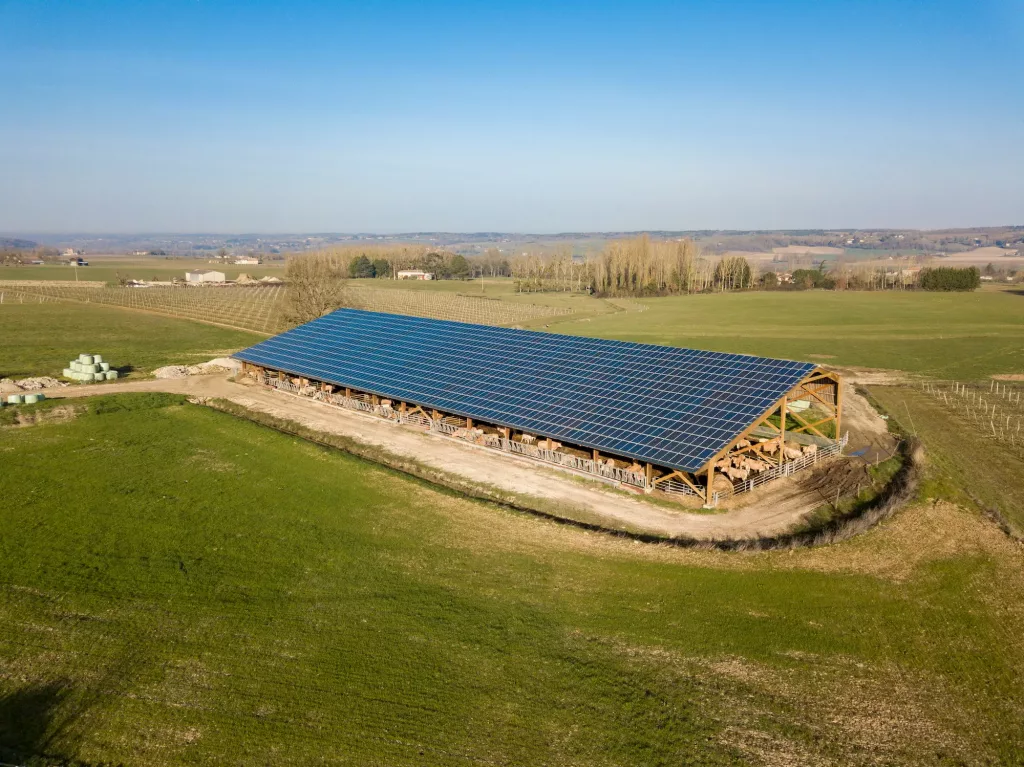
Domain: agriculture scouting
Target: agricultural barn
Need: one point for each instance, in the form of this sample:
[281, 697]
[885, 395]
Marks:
[655, 417]
[205, 275]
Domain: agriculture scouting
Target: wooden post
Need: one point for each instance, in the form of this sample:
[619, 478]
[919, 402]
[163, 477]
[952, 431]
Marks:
[437, 415]
[401, 407]
[597, 456]
[649, 474]
[348, 392]
[839, 407]
[711, 482]
[469, 422]
[782, 430]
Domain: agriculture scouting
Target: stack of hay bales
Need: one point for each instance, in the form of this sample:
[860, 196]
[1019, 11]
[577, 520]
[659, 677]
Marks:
[88, 368]
[25, 399]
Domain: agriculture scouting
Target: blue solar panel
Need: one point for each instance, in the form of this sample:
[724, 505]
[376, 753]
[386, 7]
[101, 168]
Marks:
[672, 407]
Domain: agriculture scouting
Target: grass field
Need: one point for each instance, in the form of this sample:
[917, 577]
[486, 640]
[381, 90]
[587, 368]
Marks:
[952, 335]
[40, 339]
[183, 587]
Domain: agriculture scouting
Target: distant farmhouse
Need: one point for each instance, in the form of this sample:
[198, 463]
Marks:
[414, 274]
[247, 260]
[200, 276]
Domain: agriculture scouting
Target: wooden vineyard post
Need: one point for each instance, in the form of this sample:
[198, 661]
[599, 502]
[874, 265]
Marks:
[782, 431]
[839, 408]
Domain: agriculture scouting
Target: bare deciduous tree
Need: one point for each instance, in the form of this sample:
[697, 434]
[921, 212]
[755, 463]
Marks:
[316, 284]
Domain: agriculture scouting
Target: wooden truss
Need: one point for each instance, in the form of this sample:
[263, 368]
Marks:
[820, 394]
[821, 389]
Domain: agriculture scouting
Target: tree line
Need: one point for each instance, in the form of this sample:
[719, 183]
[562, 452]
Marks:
[633, 267]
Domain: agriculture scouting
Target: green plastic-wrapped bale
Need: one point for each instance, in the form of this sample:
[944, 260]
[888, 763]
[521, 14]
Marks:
[104, 366]
[85, 359]
[14, 399]
[69, 373]
[31, 399]
[99, 376]
[97, 358]
[111, 375]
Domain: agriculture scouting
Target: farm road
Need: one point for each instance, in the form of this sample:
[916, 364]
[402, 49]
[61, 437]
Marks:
[768, 511]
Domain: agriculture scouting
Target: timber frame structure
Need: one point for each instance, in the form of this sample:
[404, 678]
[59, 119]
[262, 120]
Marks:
[805, 420]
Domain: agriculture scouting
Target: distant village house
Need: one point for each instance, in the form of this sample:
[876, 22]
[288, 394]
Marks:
[247, 260]
[414, 274]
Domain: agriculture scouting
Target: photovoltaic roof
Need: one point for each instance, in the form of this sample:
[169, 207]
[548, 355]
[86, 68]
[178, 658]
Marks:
[670, 406]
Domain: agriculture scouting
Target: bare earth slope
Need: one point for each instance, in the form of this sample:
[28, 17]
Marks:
[772, 511]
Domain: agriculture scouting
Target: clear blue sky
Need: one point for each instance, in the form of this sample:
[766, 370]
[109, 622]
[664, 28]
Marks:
[541, 116]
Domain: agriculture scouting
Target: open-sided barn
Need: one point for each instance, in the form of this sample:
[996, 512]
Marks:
[655, 416]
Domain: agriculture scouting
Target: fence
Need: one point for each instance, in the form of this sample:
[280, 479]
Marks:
[792, 467]
[455, 427]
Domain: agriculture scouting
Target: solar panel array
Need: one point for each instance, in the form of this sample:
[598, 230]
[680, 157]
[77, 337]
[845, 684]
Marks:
[672, 407]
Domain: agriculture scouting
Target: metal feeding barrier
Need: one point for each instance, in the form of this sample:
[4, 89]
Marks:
[791, 467]
[455, 427]
[452, 427]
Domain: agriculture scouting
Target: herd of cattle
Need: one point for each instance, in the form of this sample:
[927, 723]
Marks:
[741, 466]
[750, 459]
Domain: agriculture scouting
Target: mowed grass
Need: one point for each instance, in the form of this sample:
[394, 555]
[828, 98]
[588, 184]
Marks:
[952, 335]
[180, 586]
[40, 339]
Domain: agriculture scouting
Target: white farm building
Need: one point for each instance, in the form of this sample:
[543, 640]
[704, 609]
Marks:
[205, 275]
[414, 274]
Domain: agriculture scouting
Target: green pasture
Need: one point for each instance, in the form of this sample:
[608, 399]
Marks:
[180, 586]
[41, 338]
[947, 335]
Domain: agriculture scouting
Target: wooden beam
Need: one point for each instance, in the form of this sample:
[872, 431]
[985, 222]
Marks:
[596, 456]
[762, 421]
[839, 408]
[782, 429]
[820, 399]
[804, 425]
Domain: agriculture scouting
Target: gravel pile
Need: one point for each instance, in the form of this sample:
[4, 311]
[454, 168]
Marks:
[30, 384]
[219, 365]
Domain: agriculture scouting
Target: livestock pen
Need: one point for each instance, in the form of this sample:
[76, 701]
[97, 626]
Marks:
[655, 418]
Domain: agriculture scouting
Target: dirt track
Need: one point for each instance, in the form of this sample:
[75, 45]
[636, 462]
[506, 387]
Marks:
[770, 511]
